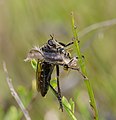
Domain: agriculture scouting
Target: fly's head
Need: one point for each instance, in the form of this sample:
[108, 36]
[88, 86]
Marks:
[34, 53]
[52, 46]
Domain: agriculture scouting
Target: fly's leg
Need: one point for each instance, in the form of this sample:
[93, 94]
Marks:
[58, 94]
[57, 72]
[58, 97]
[66, 45]
[79, 72]
[58, 85]
[70, 43]
[83, 57]
[66, 67]
[73, 68]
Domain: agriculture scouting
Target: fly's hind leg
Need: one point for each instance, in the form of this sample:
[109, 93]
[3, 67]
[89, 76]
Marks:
[58, 85]
[58, 94]
[58, 97]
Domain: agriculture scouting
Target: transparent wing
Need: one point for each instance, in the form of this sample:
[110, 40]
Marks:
[38, 75]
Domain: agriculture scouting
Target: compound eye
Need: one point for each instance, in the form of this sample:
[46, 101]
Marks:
[50, 42]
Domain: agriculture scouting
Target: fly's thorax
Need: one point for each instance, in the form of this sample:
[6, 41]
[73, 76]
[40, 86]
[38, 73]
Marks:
[52, 57]
[60, 55]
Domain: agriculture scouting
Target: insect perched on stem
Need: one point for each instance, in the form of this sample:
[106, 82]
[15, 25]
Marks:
[52, 54]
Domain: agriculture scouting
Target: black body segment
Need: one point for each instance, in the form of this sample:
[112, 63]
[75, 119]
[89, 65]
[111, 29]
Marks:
[43, 77]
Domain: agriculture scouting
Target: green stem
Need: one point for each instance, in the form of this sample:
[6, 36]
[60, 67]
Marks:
[83, 69]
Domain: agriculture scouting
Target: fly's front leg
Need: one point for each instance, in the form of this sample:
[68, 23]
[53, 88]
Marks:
[75, 39]
[61, 49]
[66, 45]
[58, 85]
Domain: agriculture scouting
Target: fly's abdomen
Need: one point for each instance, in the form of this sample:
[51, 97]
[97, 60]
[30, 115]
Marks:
[45, 77]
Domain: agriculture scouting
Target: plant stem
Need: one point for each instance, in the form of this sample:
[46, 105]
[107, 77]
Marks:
[83, 69]
[14, 93]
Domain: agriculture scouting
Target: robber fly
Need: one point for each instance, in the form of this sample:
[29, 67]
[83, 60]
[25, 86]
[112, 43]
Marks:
[50, 55]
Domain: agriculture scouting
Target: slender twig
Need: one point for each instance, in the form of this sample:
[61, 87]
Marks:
[83, 69]
[14, 93]
[97, 26]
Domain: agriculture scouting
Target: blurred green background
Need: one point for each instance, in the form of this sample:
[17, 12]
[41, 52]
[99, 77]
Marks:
[26, 23]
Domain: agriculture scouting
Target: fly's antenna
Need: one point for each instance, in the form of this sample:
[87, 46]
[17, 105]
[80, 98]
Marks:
[52, 36]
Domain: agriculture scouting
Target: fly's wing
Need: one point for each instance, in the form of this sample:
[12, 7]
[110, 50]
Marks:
[38, 75]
